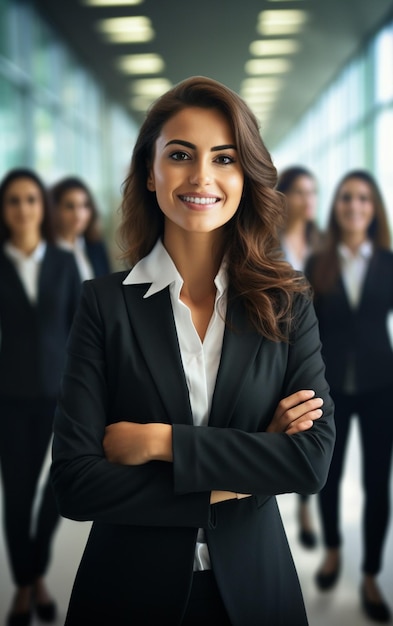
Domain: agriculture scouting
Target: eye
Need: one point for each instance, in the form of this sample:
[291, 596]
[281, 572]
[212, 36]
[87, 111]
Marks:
[224, 159]
[179, 155]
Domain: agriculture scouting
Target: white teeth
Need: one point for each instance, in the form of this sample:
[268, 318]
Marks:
[198, 200]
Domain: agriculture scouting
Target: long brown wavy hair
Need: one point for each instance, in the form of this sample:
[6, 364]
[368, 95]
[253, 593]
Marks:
[326, 269]
[257, 272]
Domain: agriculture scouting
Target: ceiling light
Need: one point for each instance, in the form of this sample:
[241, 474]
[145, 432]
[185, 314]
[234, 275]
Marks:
[267, 66]
[111, 3]
[141, 64]
[141, 103]
[153, 87]
[127, 29]
[282, 21]
[259, 97]
[273, 47]
[263, 84]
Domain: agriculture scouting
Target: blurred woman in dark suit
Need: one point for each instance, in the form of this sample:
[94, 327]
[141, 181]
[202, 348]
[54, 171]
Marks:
[76, 224]
[353, 284]
[299, 238]
[39, 288]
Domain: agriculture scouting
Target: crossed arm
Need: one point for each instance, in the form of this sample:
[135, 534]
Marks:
[130, 443]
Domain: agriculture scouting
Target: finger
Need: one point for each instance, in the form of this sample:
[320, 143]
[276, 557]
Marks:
[302, 409]
[305, 422]
[299, 411]
[294, 399]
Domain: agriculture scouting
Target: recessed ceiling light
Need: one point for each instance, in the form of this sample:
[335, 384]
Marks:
[141, 103]
[126, 29]
[141, 64]
[111, 3]
[255, 96]
[267, 66]
[263, 84]
[153, 87]
[273, 47]
[281, 21]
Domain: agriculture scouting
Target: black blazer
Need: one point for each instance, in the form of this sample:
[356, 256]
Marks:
[359, 334]
[124, 364]
[98, 257]
[33, 336]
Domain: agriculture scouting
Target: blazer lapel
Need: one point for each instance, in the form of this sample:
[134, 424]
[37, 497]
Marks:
[240, 347]
[10, 275]
[153, 322]
[370, 279]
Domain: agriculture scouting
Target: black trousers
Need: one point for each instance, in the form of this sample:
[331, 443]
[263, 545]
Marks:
[205, 605]
[375, 414]
[25, 433]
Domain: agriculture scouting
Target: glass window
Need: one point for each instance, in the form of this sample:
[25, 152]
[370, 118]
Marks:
[11, 131]
[384, 65]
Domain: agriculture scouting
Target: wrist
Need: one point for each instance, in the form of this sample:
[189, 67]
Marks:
[161, 443]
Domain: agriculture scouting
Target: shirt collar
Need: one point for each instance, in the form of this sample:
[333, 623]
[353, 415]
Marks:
[79, 244]
[158, 269]
[365, 250]
[17, 255]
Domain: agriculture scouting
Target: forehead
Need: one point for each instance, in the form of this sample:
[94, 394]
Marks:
[302, 181]
[356, 185]
[198, 125]
[75, 194]
[23, 186]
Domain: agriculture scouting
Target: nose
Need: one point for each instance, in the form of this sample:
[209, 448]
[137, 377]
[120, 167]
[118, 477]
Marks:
[200, 173]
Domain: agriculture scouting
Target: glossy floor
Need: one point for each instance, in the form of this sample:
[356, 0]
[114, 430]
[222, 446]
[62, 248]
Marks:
[340, 607]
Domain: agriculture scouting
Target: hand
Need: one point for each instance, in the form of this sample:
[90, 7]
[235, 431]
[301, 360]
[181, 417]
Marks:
[130, 443]
[296, 413]
[217, 496]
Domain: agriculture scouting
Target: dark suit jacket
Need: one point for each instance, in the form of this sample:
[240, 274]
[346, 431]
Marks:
[359, 334]
[33, 337]
[124, 364]
[98, 257]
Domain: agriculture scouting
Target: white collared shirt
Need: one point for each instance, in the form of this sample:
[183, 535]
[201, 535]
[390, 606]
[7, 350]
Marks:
[200, 359]
[78, 248]
[353, 269]
[27, 266]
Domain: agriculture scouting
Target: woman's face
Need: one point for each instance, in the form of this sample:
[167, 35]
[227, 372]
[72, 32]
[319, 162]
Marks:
[302, 198]
[196, 173]
[23, 209]
[354, 207]
[74, 213]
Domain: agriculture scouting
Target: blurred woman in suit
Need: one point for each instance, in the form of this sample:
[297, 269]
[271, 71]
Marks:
[299, 238]
[353, 285]
[39, 288]
[76, 224]
[193, 386]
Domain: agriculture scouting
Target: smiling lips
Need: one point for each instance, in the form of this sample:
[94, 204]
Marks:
[201, 200]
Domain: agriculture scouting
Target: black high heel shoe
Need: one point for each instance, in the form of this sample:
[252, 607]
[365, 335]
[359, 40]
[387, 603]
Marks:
[307, 538]
[324, 581]
[377, 611]
[46, 612]
[20, 619]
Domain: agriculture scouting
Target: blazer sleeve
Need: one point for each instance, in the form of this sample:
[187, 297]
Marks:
[86, 485]
[207, 458]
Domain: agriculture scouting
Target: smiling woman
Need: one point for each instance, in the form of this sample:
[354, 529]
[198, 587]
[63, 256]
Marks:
[193, 388]
[39, 289]
[353, 285]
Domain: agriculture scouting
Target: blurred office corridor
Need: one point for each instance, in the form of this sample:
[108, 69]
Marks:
[339, 607]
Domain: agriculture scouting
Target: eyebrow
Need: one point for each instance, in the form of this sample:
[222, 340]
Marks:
[187, 144]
